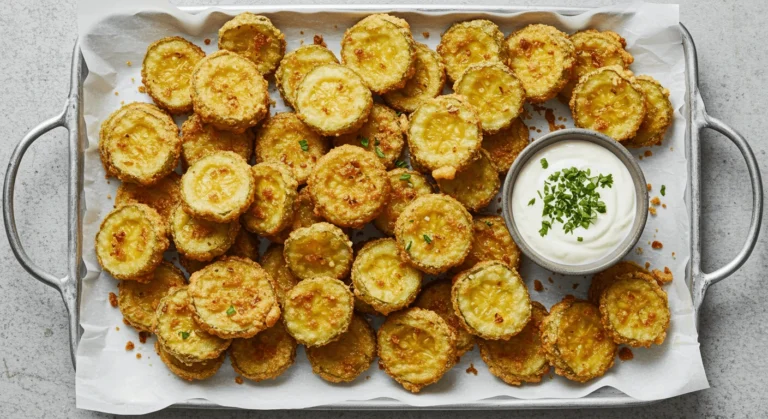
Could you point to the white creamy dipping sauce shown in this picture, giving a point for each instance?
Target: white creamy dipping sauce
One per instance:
(606, 232)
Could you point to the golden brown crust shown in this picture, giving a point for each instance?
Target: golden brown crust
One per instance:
(405, 186)
(166, 72)
(603, 279)
(303, 216)
(470, 42)
(595, 49)
(275, 191)
(436, 296)
(427, 81)
(138, 300)
(504, 146)
(474, 186)
(219, 187)
(491, 241)
(322, 249)
(245, 246)
(274, 263)
(345, 359)
(255, 38)
(382, 135)
(634, 310)
(296, 64)
(318, 310)
(191, 372)
(163, 196)
(199, 239)
(658, 115)
(494, 91)
(265, 356)
(199, 140)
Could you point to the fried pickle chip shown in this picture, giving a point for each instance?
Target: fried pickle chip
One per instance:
(255, 38)
(610, 101)
(345, 359)
(595, 49)
(436, 296)
(272, 208)
(634, 310)
(434, 233)
(333, 100)
(265, 356)
(163, 196)
(575, 342)
(542, 58)
(491, 300)
(444, 135)
(131, 241)
(199, 140)
(233, 298)
(521, 358)
(191, 265)
(405, 186)
(475, 185)
(349, 186)
(199, 239)
(194, 371)
(219, 187)
(504, 146)
(494, 91)
(229, 92)
(166, 72)
(303, 216)
(471, 42)
(274, 263)
(321, 249)
(245, 246)
(491, 241)
(382, 135)
(138, 301)
(416, 347)
(296, 64)
(603, 279)
(426, 83)
(318, 311)
(658, 115)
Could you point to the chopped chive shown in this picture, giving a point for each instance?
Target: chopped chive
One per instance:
(532, 201)
(231, 311)
(379, 152)
(544, 163)
(427, 239)
(581, 239)
(663, 190)
(184, 334)
(398, 113)
(405, 176)
(489, 224)
(364, 141)
(401, 164)
(304, 145)
(408, 248)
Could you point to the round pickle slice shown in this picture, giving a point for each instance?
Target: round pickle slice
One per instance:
(166, 71)
(163, 196)
(475, 185)
(245, 246)
(346, 358)
(255, 38)
(634, 310)
(199, 139)
(494, 91)
(603, 279)
(491, 241)
(405, 186)
(192, 372)
(504, 146)
(296, 64)
(595, 49)
(658, 115)
(218, 187)
(471, 42)
(274, 263)
(138, 301)
(272, 208)
(318, 311)
(437, 297)
(201, 240)
(426, 83)
(303, 216)
(265, 356)
(321, 249)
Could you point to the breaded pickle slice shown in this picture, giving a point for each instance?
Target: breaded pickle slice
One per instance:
(199, 239)
(494, 91)
(382, 135)
(634, 310)
(274, 263)
(416, 347)
(131, 241)
(180, 335)
(405, 186)
(199, 139)
(138, 301)
(426, 83)
(444, 135)
(595, 49)
(603, 279)
(283, 138)
(245, 246)
(265, 356)
(219, 187)
(272, 208)
(521, 358)
(296, 64)
(470, 42)
(139, 143)
(658, 113)
(303, 216)
(382, 279)
(434, 233)
(491, 241)
(194, 371)
(380, 48)
(542, 58)
(349, 186)
(504, 146)
(166, 72)
(255, 38)
(437, 297)
(610, 101)
(318, 311)
(191, 265)
(575, 342)
(229, 92)
(163, 196)
(491, 300)
(333, 100)
(345, 359)
(475, 185)
(233, 298)
(321, 249)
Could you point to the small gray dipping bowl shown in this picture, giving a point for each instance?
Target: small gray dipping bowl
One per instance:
(641, 197)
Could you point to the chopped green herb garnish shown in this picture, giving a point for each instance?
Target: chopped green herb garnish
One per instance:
(408, 248)
(401, 164)
(379, 152)
(488, 223)
(231, 311)
(581, 239)
(544, 163)
(364, 141)
(663, 190)
(304, 145)
(427, 239)
(532, 201)
(184, 334)
(405, 176)
(398, 113)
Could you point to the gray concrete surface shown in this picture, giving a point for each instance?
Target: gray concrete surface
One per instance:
(36, 376)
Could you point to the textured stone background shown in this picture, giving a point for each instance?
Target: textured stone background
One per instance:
(36, 376)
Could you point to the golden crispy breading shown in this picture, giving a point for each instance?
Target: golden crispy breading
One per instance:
(595, 49)
(434, 233)
(233, 298)
(471, 42)
(138, 301)
(491, 300)
(139, 143)
(491, 241)
(219, 187)
(333, 100)
(382, 279)
(382, 135)
(321, 249)
(426, 83)
(575, 342)
(444, 135)
(199, 239)
(416, 347)
(603, 279)
(493, 89)
(610, 101)
(318, 310)
(349, 356)
(191, 265)
(131, 241)
(264, 356)
(166, 72)
(272, 208)
(405, 186)
(542, 58)
(163, 196)
(349, 186)
(283, 138)
(303, 216)
(475, 185)
(296, 64)
(437, 297)
(194, 371)
(634, 310)
(658, 115)
(245, 246)
(199, 140)
(521, 358)
(381, 50)
(274, 263)
(180, 335)
(229, 92)
(255, 38)
(505, 145)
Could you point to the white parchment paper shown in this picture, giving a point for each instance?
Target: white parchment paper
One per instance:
(114, 37)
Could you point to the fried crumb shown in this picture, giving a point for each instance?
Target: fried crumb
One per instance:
(498, 210)
(639, 250)
(647, 265)
(574, 286)
(122, 102)
(117, 93)
(471, 369)
(335, 26)
(318, 40)
(142, 89)
(625, 354)
(129, 346)
(112, 299)
(125, 322)
(367, 377)
(301, 32)
(537, 285)
(207, 41)
(133, 80)
(301, 42)
(138, 356)
(673, 254)
(128, 63)
(425, 34)
(239, 379)
(664, 206)
(648, 153)
(655, 201)
(640, 157)
(652, 210)
(109, 196)
(657, 245)
(143, 337)
(550, 280)
(117, 328)
(663, 277)
(648, 186)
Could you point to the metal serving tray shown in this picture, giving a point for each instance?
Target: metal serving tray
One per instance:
(698, 282)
